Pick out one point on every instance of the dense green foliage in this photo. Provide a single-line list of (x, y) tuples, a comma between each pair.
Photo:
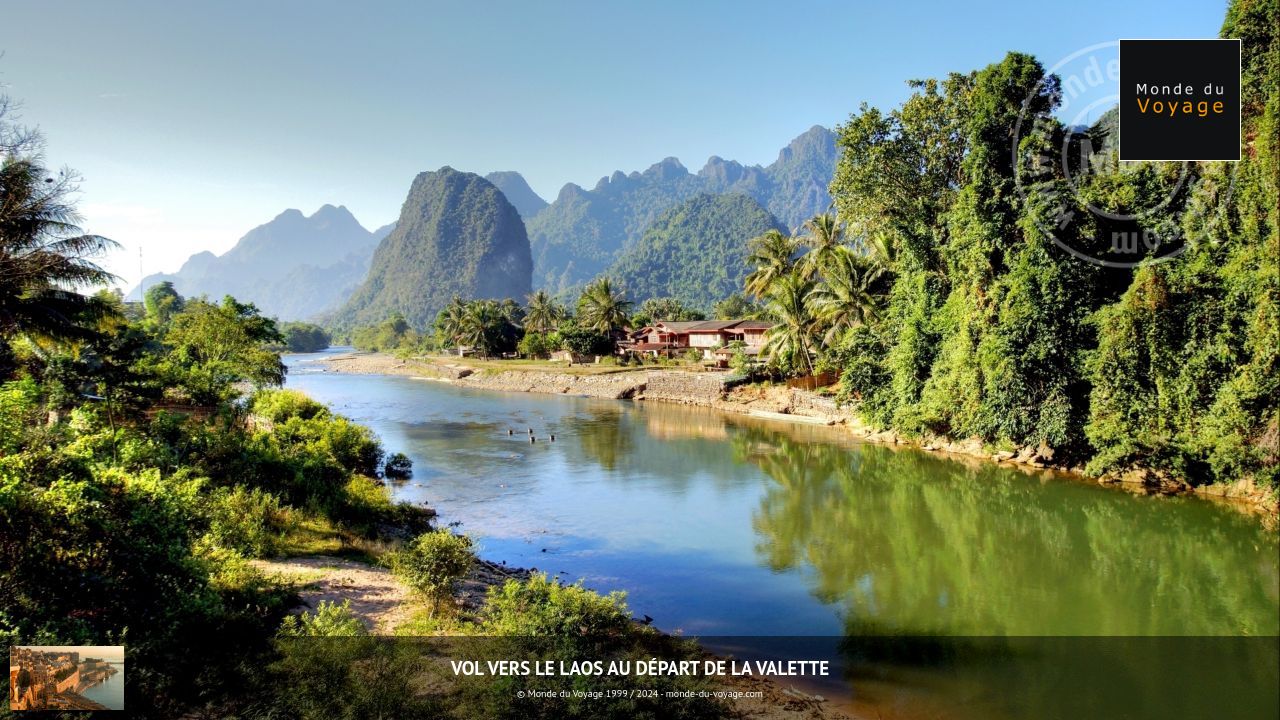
[(124, 523), (300, 337), (434, 562), (694, 251), (664, 308), (984, 328), (584, 231), (457, 236), (603, 307), (487, 327)]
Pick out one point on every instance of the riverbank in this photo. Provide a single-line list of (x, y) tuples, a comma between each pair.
[(387, 607), (776, 402)]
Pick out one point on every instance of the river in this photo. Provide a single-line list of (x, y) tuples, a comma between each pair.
[(934, 579), (110, 692)]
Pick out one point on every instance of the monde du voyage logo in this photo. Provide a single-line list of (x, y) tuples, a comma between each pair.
[(1177, 106), (1179, 100)]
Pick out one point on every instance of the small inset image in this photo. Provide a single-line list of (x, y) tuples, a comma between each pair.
[(66, 677)]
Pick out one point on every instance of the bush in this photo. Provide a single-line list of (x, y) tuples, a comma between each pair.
[(248, 520), (328, 620), (536, 345), (353, 446), (543, 607), (433, 562), (280, 405), (364, 503), (398, 466)]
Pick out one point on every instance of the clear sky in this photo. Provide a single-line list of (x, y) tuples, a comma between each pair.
[(193, 122)]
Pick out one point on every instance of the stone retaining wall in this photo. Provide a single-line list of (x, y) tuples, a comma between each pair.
[(617, 386), (688, 388)]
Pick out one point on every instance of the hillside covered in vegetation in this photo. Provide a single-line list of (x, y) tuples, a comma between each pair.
[(457, 236), (695, 251)]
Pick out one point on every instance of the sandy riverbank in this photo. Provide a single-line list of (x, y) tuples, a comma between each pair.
[(766, 401)]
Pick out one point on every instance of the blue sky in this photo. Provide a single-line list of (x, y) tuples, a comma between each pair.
[(193, 122)]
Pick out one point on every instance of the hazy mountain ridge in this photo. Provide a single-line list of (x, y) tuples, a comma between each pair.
[(513, 185), (695, 251), (293, 267), (583, 231), (457, 235)]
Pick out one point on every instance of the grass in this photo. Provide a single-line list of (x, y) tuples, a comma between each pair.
[(423, 623), (319, 536)]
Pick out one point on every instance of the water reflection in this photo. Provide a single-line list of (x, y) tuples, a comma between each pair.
[(906, 543)]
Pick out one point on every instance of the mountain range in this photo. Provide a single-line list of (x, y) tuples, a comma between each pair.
[(695, 252), (583, 231), (294, 266), (303, 267)]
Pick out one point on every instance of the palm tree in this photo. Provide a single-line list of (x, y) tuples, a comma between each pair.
[(450, 320), (543, 313), (846, 297), (45, 256), (823, 234), (602, 307), (773, 255), (481, 325), (792, 333)]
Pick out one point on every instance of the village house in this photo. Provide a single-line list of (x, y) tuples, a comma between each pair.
[(710, 337)]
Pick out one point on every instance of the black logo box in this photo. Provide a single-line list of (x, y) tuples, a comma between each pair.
[(1177, 72)]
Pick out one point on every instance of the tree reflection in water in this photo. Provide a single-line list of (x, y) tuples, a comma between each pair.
[(995, 595)]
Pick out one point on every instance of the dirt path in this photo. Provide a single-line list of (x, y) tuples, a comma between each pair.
[(383, 603), (380, 600)]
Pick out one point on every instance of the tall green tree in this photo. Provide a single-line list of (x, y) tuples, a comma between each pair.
[(788, 345), (602, 307), (450, 320), (542, 313), (162, 302), (823, 235), (772, 257), (848, 295), (212, 347), (45, 257)]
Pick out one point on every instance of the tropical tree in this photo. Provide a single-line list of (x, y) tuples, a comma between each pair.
[(450, 321), (788, 343), (602, 307), (665, 308), (824, 235), (212, 347), (482, 326), (773, 255), (45, 256), (162, 302), (543, 314), (735, 307), (847, 296)]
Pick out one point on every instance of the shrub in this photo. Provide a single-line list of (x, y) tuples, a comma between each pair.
[(536, 345), (248, 520), (328, 620), (398, 466), (543, 607), (364, 503), (280, 405), (433, 562)]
